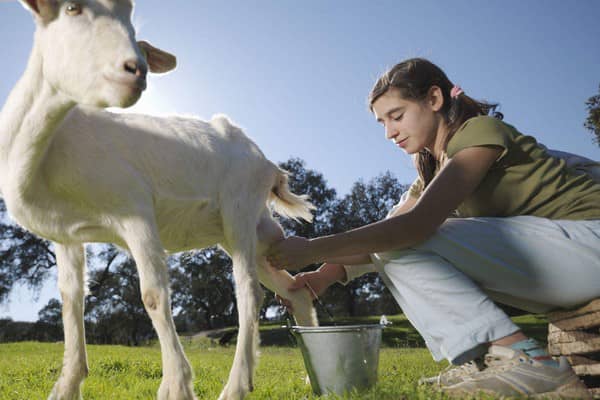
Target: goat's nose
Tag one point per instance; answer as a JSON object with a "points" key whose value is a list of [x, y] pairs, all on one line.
{"points": [[136, 67]]}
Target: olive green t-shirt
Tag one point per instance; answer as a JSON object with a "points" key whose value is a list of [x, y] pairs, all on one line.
{"points": [[524, 180]]}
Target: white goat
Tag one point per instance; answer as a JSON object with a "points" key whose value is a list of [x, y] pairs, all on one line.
{"points": [[73, 174]]}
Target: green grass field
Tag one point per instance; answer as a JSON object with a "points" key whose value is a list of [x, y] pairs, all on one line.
{"points": [[28, 370]]}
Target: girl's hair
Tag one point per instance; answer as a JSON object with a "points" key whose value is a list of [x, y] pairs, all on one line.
{"points": [[413, 78]]}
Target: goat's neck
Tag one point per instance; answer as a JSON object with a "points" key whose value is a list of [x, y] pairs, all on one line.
{"points": [[28, 121]]}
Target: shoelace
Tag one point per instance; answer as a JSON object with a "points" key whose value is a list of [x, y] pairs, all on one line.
{"points": [[495, 360], [452, 370]]}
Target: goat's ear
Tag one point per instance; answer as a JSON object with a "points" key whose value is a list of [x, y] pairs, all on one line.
{"points": [[44, 10], [159, 61]]}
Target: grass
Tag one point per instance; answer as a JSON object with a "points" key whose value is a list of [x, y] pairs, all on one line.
{"points": [[28, 369]]}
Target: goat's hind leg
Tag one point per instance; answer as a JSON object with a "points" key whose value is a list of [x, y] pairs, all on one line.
{"points": [[71, 271], [278, 281], [241, 241]]}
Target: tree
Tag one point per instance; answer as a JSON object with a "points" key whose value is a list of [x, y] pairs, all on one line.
{"points": [[312, 183], [202, 290], [365, 204], [24, 258], [51, 313], [49, 324], [593, 120], [114, 311]]}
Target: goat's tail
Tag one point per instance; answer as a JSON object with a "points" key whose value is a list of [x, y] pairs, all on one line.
{"points": [[288, 204]]}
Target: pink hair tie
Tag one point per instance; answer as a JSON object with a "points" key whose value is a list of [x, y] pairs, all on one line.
{"points": [[456, 91]]}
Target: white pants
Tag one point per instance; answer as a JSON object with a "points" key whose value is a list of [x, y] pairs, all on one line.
{"points": [[446, 285]]}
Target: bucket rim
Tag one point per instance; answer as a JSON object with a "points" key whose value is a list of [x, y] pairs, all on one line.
{"points": [[340, 328]]}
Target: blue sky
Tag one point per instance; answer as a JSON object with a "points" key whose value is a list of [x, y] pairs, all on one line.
{"points": [[295, 75]]}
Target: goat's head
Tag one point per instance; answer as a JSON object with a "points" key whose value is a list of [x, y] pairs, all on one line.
{"points": [[89, 52]]}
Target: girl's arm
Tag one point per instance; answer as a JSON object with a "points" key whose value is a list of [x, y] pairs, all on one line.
{"points": [[362, 259], [357, 259], [365, 258], [337, 269], [456, 181]]}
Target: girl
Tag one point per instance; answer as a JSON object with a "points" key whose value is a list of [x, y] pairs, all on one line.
{"points": [[491, 217]]}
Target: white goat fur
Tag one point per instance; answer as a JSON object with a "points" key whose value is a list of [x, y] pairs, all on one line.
{"points": [[72, 174]]}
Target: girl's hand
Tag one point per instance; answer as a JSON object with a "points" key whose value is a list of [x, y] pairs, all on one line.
{"points": [[292, 253], [317, 280]]}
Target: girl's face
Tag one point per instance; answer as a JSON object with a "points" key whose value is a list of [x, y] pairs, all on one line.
{"points": [[411, 125]]}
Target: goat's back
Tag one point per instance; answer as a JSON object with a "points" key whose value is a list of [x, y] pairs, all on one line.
{"points": [[176, 156]]}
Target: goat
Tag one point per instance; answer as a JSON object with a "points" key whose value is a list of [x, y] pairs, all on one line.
{"points": [[73, 173]]}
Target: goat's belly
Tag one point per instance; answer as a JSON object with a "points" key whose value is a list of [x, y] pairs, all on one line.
{"points": [[56, 225], [193, 225]]}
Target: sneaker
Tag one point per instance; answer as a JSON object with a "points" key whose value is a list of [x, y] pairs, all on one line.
{"points": [[454, 374], [512, 373]]}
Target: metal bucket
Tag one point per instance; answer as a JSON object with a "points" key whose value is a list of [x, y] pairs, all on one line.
{"points": [[340, 358]]}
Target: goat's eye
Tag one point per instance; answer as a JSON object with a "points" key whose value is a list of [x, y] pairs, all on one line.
{"points": [[73, 9]]}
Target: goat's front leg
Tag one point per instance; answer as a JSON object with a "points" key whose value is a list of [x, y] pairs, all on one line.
{"points": [[71, 270], [142, 239]]}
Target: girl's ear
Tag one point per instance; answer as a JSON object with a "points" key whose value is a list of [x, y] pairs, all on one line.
{"points": [[435, 98], [43, 10], [159, 61]]}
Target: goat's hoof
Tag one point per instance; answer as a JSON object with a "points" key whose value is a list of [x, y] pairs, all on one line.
{"points": [[170, 390], [238, 386], [233, 393], [60, 393]]}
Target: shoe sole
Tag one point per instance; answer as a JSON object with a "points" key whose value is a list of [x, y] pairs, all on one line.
{"points": [[571, 390]]}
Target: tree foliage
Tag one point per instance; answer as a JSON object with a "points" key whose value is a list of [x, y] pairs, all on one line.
{"points": [[24, 258], [312, 183], [202, 289], [114, 311], [593, 120], [367, 203], [51, 313]]}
